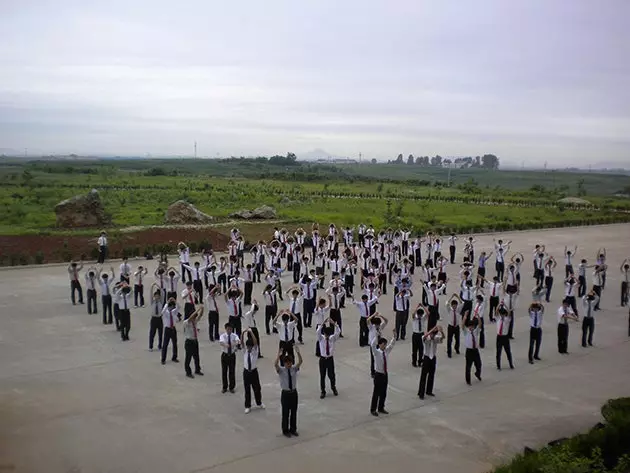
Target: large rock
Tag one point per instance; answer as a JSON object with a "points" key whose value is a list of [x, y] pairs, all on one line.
{"points": [[574, 201], [261, 213], [81, 211], [185, 213]]}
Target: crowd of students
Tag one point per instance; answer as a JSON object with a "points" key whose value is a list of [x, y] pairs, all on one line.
{"points": [[330, 272]]}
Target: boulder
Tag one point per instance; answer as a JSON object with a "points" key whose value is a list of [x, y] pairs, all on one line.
{"points": [[82, 211], [261, 213], [185, 213], [574, 201]]}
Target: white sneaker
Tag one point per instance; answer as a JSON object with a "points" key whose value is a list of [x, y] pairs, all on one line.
{"points": [[247, 411], [262, 406]]}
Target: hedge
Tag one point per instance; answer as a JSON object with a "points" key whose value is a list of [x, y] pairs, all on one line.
{"points": [[605, 448]]}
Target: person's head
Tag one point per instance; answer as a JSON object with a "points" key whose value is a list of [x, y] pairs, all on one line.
{"points": [[466, 274], [495, 279], [500, 242], [213, 268], [140, 268], [73, 264], [503, 311], [518, 260], [125, 259], [335, 290], [469, 283], [376, 321], [569, 253], [626, 266], [91, 274], [479, 298], [188, 284], [171, 273], [327, 331], [249, 344], [172, 303], [288, 361], [103, 233], [583, 261], [126, 289], [454, 303], [228, 328], [591, 295], [536, 247], [420, 312], [105, 276], [233, 294], [295, 293], [572, 279], [565, 303], [364, 297], [433, 285], [511, 267], [222, 259], [322, 303], [196, 264], [157, 295], [601, 256], [285, 317], [237, 273], [382, 343]]}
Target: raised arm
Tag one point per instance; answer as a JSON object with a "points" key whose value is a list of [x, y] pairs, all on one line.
{"points": [[299, 356]]}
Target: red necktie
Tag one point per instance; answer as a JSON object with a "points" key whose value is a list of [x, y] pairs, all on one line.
{"points": [[170, 313], [454, 318], [190, 297], [76, 275], [384, 363], [140, 281], [501, 327], [434, 298], [327, 347], [494, 288], [235, 308]]}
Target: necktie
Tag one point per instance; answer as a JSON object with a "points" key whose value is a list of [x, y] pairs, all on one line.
{"points": [[501, 327], [156, 308], [235, 308], [76, 274], [327, 347], [161, 282], [434, 298], [454, 318], [249, 360], [229, 337], [293, 306], [384, 363], [474, 342], [170, 313], [366, 309], [565, 315], [494, 290], [588, 310], [125, 300], [290, 379], [197, 274], [286, 332], [308, 291], [190, 297], [335, 301], [172, 284], [140, 280]]}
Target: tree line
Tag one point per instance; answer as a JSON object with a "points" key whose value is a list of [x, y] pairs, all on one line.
{"points": [[487, 161]]}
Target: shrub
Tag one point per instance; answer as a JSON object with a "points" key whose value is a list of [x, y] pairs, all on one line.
{"points": [[39, 257]]}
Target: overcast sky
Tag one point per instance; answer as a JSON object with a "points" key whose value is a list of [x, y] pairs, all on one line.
{"points": [[528, 80]]}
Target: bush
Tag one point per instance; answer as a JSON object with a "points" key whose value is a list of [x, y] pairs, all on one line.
{"points": [[39, 257]]}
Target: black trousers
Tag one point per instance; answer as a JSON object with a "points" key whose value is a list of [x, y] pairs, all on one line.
{"points": [[189, 309], [138, 294], [427, 376], [236, 323], [598, 291], [379, 393], [563, 337], [624, 293], [192, 352], [170, 334], [401, 326], [503, 343], [222, 281], [452, 333], [382, 283], [434, 316], [102, 254], [228, 366], [91, 301], [405, 247], [481, 272], [309, 307], [494, 303], [327, 367], [363, 331], [289, 402], [247, 292], [417, 348], [76, 286], [198, 287], [106, 300], [539, 275], [251, 381], [335, 316], [500, 268], [185, 272], [124, 317], [472, 358], [582, 287], [535, 340], [300, 326], [452, 252], [156, 327], [213, 325], [588, 327], [548, 286], [270, 313], [117, 316], [572, 303]]}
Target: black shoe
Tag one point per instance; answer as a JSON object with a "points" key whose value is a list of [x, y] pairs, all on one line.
{"points": [[286, 434], [334, 390], [190, 375], [260, 356], [449, 355], [421, 397], [175, 360], [584, 345], [498, 367], [322, 395], [468, 383], [374, 413], [160, 348], [536, 358], [199, 373], [531, 362], [590, 344], [431, 394], [457, 351], [511, 367], [341, 335], [232, 391], [383, 411], [478, 376], [295, 434], [164, 362], [414, 364], [223, 391]]}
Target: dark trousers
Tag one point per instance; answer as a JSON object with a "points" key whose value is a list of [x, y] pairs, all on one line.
{"points": [[102, 254], [222, 281], [228, 365], [251, 380], [582, 288], [481, 272], [382, 283], [452, 333], [156, 327], [138, 294], [363, 331], [427, 376], [379, 393], [405, 247], [568, 269], [247, 293], [539, 275], [308, 307], [335, 316], [270, 313], [117, 316], [192, 352], [327, 366], [417, 348], [107, 308], [289, 402], [189, 309], [598, 291], [563, 337], [300, 326], [500, 267], [434, 316], [198, 287], [169, 334], [588, 327], [401, 325], [213, 325], [91, 301], [124, 317], [494, 303], [482, 334], [185, 272], [572, 303], [624, 293], [548, 286], [503, 342], [76, 286], [257, 335], [472, 358], [452, 252], [236, 323], [535, 339]]}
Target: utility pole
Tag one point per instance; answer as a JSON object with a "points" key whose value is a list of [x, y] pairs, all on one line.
{"points": [[360, 160], [195, 150]]}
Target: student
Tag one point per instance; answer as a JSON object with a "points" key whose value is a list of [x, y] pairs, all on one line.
{"points": [[364, 307], [197, 283], [376, 324], [90, 285], [75, 283], [327, 336], [233, 299], [250, 324], [433, 304], [601, 262], [138, 286], [213, 312], [625, 278], [309, 293], [115, 293], [380, 350], [251, 379], [495, 293], [582, 286], [335, 296], [503, 339], [570, 290], [295, 306], [471, 329], [191, 343], [430, 341], [184, 260], [454, 324], [125, 270], [589, 302], [124, 315], [286, 330], [230, 342], [288, 374], [156, 325], [171, 283], [401, 306], [170, 314], [102, 247], [568, 261], [548, 271], [536, 312], [106, 294], [565, 313], [248, 284], [188, 296], [598, 283], [418, 324], [271, 306], [451, 247]]}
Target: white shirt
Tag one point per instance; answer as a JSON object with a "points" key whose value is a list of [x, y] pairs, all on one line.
{"points": [[320, 314], [90, 282], [495, 289], [190, 330], [418, 323], [453, 315], [562, 312], [471, 337], [288, 330], [308, 290], [503, 324], [232, 306], [171, 283], [138, 277], [569, 289], [295, 305], [169, 316], [250, 358], [105, 286], [430, 345], [364, 307], [597, 278], [211, 303], [432, 295], [184, 255], [188, 296], [123, 300], [535, 318], [248, 318], [331, 342], [102, 241], [229, 343], [125, 269], [401, 302], [381, 356], [589, 311], [270, 297], [156, 308]]}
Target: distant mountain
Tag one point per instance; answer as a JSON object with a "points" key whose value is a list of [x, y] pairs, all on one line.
{"points": [[315, 155]]}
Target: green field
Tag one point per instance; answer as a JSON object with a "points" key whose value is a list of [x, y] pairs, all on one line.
{"points": [[138, 192]]}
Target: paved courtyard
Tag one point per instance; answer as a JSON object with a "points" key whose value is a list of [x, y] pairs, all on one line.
{"points": [[74, 398]]}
